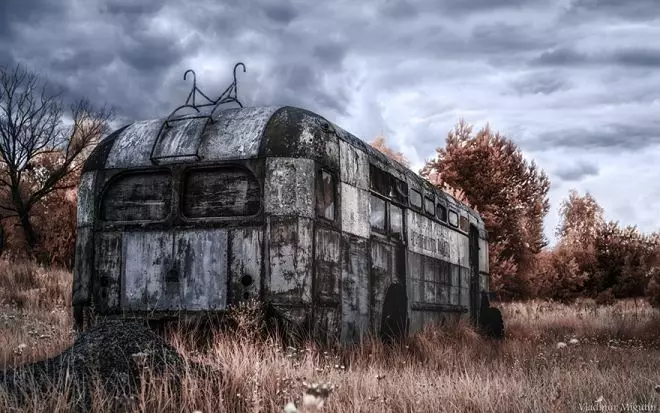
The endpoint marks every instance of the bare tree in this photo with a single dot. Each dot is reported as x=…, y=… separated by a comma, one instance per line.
x=40, y=151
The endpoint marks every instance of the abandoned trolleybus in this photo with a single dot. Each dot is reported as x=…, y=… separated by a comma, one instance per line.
x=191, y=214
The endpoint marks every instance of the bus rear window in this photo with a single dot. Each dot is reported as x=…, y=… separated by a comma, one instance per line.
x=220, y=192
x=145, y=196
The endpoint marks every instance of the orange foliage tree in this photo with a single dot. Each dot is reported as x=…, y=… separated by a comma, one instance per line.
x=509, y=193
x=381, y=144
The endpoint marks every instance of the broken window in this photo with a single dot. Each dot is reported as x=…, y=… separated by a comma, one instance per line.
x=377, y=217
x=380, y=181
x=325, y=196
x=453, y=218
x=415, y=199
x=145, y=196
x=464, y=224
x=396, y=221
x=429, y=205
x=441, y=212
x=220, y=192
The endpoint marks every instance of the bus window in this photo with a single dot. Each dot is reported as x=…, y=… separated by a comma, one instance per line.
x=143, y=196
x=220, y=192
x=429, y=206
x=453, y=218
x=415, y=199
x=441, y=212
x=464, y=224
x=396, y=221
x=325, y=196
x=379, y=180
x=377, y=217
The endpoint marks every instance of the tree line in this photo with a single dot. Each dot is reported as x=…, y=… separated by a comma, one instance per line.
x=44, y=142
x=593, y=257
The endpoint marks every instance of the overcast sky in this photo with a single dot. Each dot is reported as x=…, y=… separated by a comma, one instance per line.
x=575, y=83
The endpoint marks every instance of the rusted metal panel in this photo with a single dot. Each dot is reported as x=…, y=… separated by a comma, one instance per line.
x=354, y=166
x=86, y=197
x=201, y=256
x=235, y=134
x=289, y=187
x=108, y=256
x=355, y=288
x=148, y=259
x=132, y=148
x=82, y=272
x=326, y=324
x=245, y=263
x=355, y=210
x=431, y=238
x=290, y=257
x=327, y=266
x=179, y=141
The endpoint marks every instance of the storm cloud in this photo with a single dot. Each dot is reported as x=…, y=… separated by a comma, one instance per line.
x=574, y=82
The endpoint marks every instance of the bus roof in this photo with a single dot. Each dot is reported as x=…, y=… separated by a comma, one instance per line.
x=231, y=134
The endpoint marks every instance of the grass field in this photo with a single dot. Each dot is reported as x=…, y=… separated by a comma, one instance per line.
x=609, y=361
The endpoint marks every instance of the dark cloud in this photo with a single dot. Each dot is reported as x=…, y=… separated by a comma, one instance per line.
x=540, y=83
x=576, y=171
x=471, y=6
x=561, y=56
x=609, y=137
x=398, y=9
x=629, y=57
x=634, y=10
x=25, y=12
x=280, y=12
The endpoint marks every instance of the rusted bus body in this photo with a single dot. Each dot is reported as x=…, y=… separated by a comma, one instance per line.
x=271, y=203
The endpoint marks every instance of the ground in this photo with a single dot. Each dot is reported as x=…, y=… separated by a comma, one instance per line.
x=554, y=358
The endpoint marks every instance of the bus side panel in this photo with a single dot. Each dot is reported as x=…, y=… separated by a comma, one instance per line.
x=290, y=259
x=245, y=261
x=354, y=288
x=327, y=273
x=382, y=257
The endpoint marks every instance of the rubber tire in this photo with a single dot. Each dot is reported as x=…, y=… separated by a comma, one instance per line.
x=492, y=323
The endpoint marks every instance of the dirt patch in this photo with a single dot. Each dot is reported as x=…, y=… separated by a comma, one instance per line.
x=113, y=354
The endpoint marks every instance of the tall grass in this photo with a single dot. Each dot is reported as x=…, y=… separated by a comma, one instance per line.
x=615, y=360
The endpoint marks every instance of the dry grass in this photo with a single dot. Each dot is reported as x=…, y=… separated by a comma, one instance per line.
x=617, y=357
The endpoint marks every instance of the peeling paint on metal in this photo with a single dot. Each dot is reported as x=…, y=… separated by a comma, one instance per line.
x=108, y=258
x=246, y=259
x=82, y=274
x=85, y=207
x=235, y=134
x=201, y=257
x=148, y=258
x=290, y=257
x=355, y=289
x=132, y=148
x=327, y=262
x=289, y=187
x=355, y=210
x=179, y=141
x=354, y=166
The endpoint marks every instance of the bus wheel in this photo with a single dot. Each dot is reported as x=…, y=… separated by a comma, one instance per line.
x=491, y=323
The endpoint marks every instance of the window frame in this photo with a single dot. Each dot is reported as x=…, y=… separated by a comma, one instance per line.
x=335, y=194
x=452, y=211
x=182, y=192
x=441, y=205
x=111, y=181
x=430, y=199
x=421, y=199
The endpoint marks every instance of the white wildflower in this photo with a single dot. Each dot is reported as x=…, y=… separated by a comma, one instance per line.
x=561, y=344
x=573, y=341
